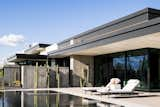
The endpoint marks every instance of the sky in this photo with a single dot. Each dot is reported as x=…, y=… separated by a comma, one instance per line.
x=25, y=22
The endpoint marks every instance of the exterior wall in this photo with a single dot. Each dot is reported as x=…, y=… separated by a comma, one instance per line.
x=11, y=74
x=29, y=77
x=63, y=73
x=64, y=76
x=42, y=77
x=78, y=64
x=52, y=78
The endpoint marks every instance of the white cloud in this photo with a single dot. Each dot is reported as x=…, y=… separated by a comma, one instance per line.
x=11, y=39
x=2, y=61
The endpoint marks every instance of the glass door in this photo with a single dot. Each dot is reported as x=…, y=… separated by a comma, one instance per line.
x=138, y=67
x=119, y=71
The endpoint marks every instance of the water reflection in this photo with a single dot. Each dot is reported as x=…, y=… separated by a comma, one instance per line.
x=47, y=99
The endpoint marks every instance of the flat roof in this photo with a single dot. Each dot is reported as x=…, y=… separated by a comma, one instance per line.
x=11, y=66
x=24, y=57
x=140, y=29
x=140, y=12
x=36, y=49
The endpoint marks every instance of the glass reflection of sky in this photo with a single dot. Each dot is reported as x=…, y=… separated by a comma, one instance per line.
x=118, y=61
x=135, y=62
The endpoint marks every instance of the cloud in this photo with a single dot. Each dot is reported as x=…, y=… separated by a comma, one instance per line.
x=2, y=61
x=11, y=39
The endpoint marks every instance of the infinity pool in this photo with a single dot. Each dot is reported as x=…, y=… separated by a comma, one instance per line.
x=47, y=99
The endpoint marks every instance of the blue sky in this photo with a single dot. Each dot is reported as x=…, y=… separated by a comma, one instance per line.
x=51, y=21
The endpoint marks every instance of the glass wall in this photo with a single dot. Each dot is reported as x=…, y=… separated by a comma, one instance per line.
x=101, y=67
x=118, y=64
x=31, y=62
x=154, y=56
x=138, y=67
x=109, y=66
x=127, y=65
x=62, y=62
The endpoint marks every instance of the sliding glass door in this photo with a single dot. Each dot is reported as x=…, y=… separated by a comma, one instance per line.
x=109, y=66
x=138, y=67
x=100, y=67
x=125, y=65
x=118, y=65
x=154, y=57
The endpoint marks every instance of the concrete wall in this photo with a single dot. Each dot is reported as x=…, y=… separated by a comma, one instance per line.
x=79, y=65
x=52, y=78
x=64, y=76
x=42, y=77
x=11, y=74
x=29, y=77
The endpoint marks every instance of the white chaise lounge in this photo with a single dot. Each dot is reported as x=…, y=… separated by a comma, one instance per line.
x=129, y=88
x=113, y=82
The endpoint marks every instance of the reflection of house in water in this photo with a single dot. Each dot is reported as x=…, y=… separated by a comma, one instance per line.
x=45, y=99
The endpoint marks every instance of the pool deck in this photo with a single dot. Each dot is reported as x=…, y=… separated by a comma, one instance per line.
x=144, y=99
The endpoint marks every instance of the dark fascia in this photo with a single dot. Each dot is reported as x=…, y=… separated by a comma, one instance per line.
x=143, y=11
x=11, y=66
x=41, y=45
x=149, y=27
x=20, y=57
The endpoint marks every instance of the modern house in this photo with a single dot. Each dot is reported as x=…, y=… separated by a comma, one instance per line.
x=126, y=48
x=33, y=66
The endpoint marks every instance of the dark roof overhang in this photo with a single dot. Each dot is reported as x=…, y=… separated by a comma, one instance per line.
x=36, y=49
x=150, y=13
x=145, y=28
x=29, y=57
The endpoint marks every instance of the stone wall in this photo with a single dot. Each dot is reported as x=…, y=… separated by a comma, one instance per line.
x=82, y=67
x=11, y=74
x=63, y=73
x=64, y=76
x=52, y=78
x=29, y=77
x=42, y=77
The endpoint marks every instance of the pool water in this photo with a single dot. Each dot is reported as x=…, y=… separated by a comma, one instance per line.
x=47, y=99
